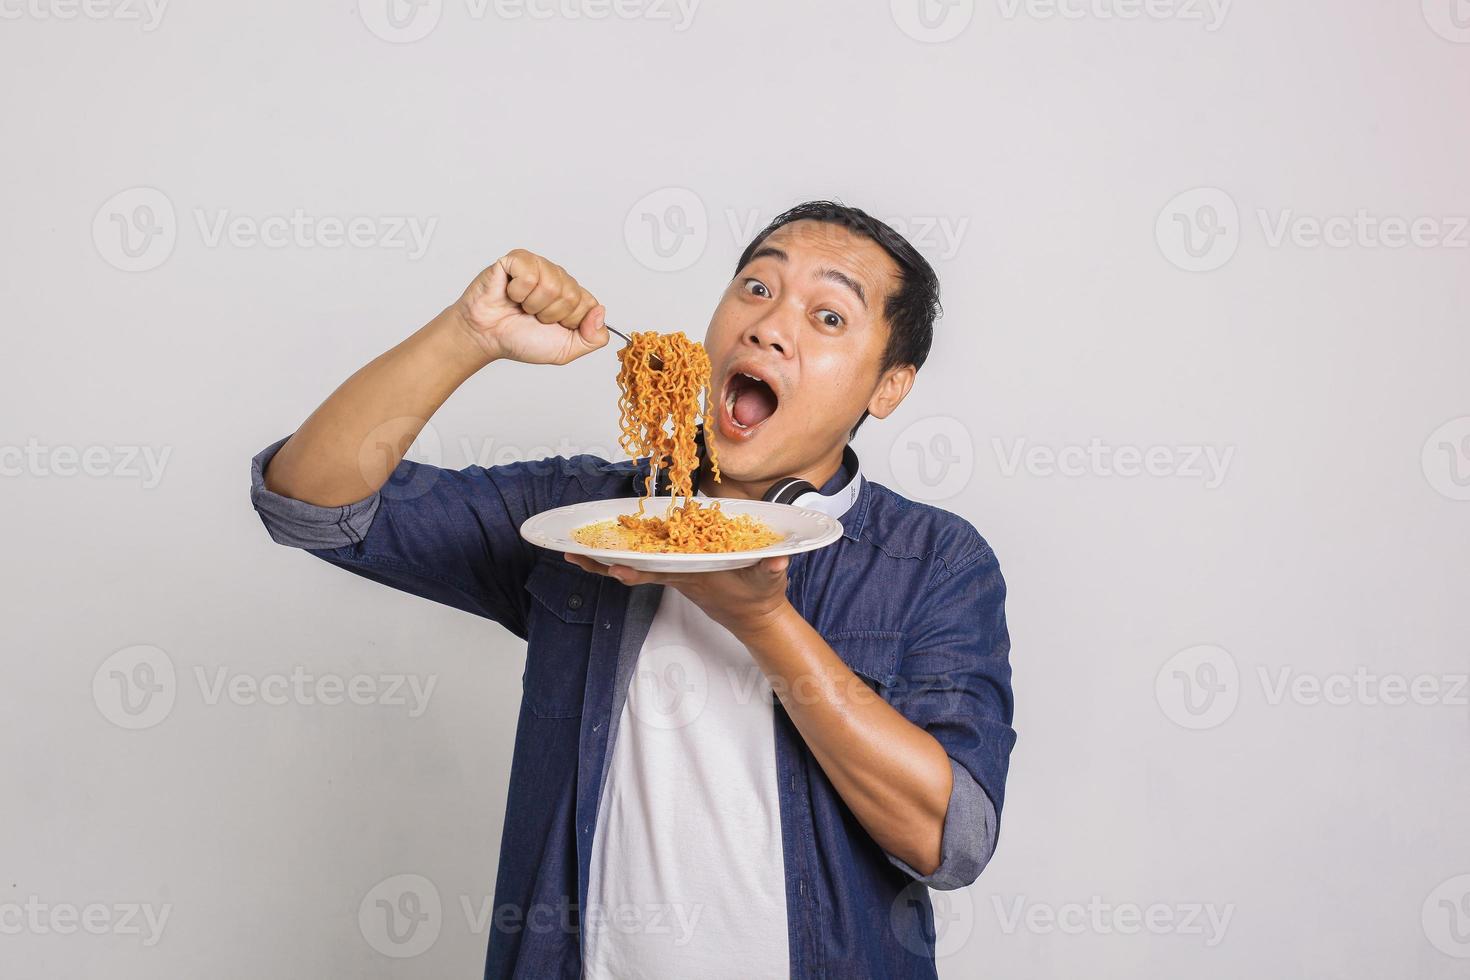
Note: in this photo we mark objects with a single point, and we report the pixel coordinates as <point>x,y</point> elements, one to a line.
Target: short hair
<point>910,310</point>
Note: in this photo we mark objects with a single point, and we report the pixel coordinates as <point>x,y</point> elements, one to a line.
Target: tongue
<point>754,404</point>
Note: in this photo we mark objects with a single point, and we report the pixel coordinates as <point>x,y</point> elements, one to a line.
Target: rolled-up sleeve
<point>955,683</point>
<point>452,536</point>
<point>297,524</point>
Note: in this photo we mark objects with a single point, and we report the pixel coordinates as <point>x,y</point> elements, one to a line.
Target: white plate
<point>803,530</point>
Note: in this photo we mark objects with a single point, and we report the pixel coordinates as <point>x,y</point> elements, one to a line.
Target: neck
<point>817,474</point>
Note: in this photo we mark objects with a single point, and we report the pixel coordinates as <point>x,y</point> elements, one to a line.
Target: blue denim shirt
<point>910,597</point>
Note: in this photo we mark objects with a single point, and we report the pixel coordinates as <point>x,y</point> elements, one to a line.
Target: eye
<point>756,288</point>
<point>830,318</point>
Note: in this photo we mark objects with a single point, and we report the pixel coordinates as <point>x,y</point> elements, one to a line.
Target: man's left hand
<point>743,600</point>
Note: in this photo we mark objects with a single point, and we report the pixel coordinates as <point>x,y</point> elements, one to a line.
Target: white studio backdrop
<point>1201,382</point>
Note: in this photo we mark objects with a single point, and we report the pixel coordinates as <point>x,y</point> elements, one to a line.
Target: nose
<point>773,331</point>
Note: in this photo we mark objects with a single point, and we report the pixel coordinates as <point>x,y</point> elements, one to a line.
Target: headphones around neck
<point>787,490</point>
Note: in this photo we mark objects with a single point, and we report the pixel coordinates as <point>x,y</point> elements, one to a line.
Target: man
<point>760,769</point>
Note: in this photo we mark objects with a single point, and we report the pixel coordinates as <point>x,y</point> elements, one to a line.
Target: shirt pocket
<point>871,654</point>
<point>559,638</point>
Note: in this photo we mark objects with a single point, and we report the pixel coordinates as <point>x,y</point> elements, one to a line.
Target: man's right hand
<point>527,308</point>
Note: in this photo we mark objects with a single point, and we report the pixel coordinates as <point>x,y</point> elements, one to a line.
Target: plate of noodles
<point>610,531</point>
<point>663,383</point>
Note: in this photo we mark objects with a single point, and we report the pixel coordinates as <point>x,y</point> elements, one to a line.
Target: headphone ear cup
<point>787,491</point>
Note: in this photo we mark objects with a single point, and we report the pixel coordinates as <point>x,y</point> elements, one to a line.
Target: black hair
<point>910,310</point>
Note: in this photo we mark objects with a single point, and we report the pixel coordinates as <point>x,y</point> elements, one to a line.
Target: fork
<point>654,361</point>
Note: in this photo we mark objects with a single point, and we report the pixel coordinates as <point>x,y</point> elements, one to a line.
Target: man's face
<point>805,317</point>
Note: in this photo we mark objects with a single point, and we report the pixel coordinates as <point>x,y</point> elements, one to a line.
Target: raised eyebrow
<point>844,279</point>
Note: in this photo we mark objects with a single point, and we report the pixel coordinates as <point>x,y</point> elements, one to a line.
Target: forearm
<point>893,775</point>
<point>350,445</point>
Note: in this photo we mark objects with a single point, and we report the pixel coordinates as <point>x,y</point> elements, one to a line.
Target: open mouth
<point>749,401</point>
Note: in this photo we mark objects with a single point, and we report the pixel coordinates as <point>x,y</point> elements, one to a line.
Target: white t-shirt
<point>688,876</point>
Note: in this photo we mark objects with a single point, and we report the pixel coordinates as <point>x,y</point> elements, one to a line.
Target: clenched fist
<point>527,308</point>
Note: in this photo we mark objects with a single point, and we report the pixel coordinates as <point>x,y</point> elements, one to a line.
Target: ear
<point>892,388</point>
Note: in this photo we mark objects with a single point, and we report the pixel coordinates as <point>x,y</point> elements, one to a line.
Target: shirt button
<point>574,601</point>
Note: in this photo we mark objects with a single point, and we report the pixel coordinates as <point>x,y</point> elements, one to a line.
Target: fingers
<point>545,290</point>
<point>592,328</point>
<point>624,574</point>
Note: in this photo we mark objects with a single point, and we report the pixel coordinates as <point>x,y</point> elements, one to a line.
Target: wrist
<point>457,344</point>
<point>761,628</point>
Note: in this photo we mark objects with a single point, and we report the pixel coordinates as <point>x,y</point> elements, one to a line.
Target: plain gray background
<point>1240,684</point>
